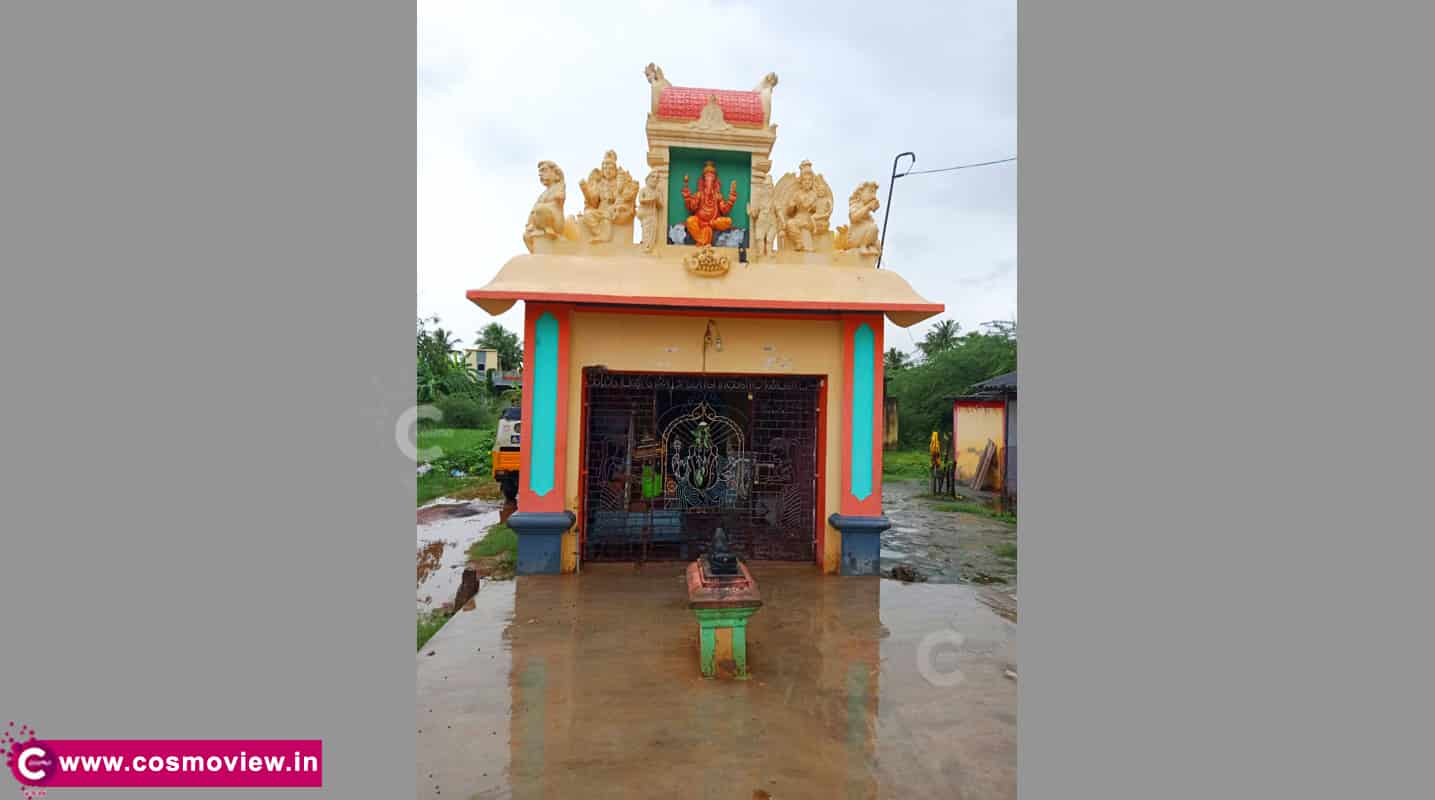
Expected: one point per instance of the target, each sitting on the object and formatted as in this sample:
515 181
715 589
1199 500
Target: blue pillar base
540 540
861 543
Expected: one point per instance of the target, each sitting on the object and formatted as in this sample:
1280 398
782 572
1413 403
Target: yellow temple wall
674 343
974 425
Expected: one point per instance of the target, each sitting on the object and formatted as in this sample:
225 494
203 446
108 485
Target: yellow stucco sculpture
804 208
762 214
546 218
608 196
860 233
654 74
650 211
764 89
707 262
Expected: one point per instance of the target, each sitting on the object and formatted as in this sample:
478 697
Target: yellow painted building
480 360
724 370
986 415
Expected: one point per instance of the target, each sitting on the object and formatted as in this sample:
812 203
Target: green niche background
731 166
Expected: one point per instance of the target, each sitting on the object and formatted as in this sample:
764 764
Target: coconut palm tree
940 338
895 359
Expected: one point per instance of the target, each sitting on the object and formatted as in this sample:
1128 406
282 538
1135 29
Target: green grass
450 438
976 508
907 464
1005 550
440 484
429 623
499 539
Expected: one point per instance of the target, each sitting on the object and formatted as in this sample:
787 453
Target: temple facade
702 350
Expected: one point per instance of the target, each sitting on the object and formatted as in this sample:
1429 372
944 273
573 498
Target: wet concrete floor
588 686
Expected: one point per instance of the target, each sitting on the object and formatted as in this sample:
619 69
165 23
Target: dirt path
948 546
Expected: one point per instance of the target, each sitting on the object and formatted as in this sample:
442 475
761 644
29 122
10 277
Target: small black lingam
721 559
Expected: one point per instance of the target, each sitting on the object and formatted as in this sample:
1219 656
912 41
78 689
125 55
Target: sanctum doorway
668 458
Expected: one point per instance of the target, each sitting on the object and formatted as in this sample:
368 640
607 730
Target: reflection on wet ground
588 686
445 532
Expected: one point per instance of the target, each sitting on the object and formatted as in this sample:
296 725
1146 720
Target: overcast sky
504 85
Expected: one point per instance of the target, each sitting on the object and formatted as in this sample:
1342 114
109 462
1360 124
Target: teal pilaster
864 361
545 404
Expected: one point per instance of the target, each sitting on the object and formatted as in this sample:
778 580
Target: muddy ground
948 546
447 528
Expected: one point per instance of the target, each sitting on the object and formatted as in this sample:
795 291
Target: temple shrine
702 350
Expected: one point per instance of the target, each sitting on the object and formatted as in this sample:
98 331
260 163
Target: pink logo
160 763
30 760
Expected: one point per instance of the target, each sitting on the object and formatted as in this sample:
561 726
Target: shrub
462 382
466 411
472 460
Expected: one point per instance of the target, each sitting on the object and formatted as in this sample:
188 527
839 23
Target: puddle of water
445 533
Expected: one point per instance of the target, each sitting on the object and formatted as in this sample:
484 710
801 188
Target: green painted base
733 619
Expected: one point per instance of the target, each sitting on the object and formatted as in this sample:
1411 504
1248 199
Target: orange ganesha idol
709 208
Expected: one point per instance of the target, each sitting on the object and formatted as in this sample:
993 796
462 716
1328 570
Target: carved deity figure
764 88
709 209
860 233
763 213
804 206
654 74
650 203
546 218
608 195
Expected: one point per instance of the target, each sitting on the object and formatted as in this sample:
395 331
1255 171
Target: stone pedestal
540 540
861 542
722 606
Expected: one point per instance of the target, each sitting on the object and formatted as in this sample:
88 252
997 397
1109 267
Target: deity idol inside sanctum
709 208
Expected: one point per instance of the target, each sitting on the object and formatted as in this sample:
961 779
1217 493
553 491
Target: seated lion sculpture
861 232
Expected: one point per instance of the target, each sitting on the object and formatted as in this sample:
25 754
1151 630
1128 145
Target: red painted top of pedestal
707 592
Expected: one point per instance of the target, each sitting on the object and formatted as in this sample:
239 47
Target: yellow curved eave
645 280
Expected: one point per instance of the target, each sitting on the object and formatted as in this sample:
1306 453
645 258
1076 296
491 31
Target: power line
960 166
892 185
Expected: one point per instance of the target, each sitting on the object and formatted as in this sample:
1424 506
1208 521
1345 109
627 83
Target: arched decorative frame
862 407
544 444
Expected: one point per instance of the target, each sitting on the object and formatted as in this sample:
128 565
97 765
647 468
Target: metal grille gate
669 458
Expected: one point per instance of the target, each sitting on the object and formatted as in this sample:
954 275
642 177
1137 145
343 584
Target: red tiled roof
686 102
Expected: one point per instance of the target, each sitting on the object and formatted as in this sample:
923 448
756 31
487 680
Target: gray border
208 215
1219 219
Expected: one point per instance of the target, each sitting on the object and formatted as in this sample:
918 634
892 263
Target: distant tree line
947 363
466 398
